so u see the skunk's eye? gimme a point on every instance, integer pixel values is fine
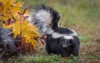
(62, 39)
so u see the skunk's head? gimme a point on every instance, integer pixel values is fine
(45, 18)
(66, 41)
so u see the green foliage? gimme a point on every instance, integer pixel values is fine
(36, 59)
(42, 59)
(83, 38)
(73, 59)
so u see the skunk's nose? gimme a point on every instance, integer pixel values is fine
(66, 45)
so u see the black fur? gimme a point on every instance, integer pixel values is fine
(55, 46)
(7, 40)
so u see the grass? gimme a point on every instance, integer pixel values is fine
(42, 59)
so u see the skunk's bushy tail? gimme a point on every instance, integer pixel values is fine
(44, 15)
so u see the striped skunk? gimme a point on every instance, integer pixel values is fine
(59, 40)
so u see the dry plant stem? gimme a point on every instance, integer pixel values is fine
(2, 54)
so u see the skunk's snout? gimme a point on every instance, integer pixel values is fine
(66, 45)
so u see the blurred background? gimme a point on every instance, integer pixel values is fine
(81, 15)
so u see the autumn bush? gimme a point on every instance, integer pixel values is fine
(13, 16)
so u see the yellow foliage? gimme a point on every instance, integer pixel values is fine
(25, 30)
(10, 9)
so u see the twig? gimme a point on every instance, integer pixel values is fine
(13, 18)
(24, 10)
(2, 54)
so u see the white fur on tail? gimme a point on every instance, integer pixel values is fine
(41, 18)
